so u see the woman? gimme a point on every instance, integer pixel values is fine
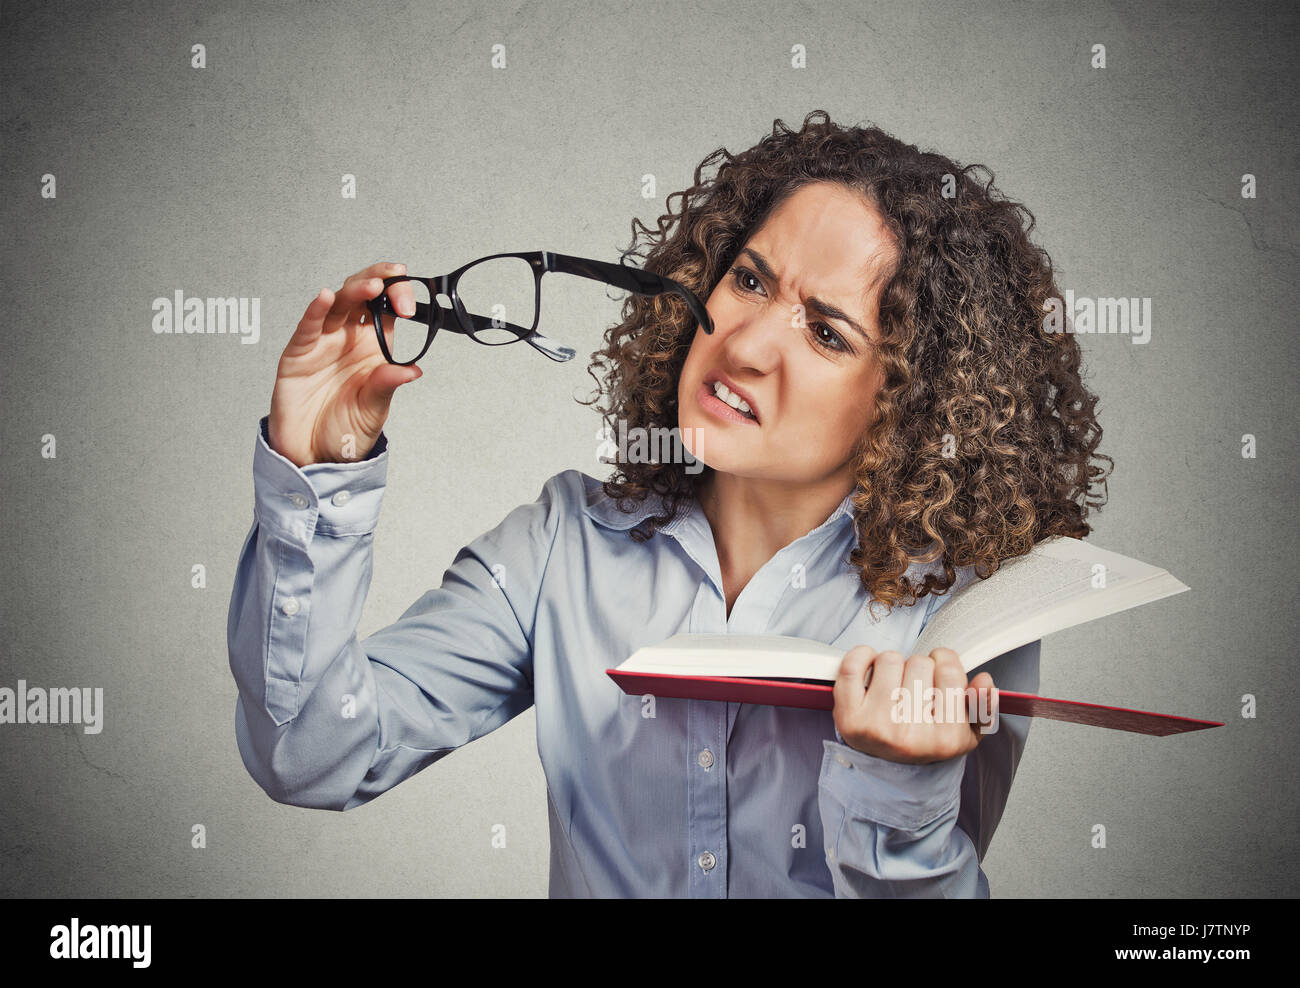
(880, 416)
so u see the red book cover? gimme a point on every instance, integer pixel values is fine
(817, 696)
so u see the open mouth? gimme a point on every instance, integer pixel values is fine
(717, 398)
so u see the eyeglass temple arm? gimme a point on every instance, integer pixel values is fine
(629, 279)
(439, 317)
(446, 320)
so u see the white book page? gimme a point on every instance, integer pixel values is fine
(738, 655)
(1049, 589)
(1101, 603)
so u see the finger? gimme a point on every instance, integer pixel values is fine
(380, 269)
(982, 681)
(918, 677)
(402, 295)
(849, 692)
(952, 714)
(313, 319)
(984, 697)
(350, 302)
(886, 677)
(377, 393)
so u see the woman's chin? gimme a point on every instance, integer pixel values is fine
(694, 448)
(721, 461)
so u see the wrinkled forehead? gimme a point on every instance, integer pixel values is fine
(828, 240)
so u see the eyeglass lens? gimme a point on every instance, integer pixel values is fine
(503, 291)
(408, 336)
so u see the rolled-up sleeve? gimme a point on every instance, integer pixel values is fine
(323, 720)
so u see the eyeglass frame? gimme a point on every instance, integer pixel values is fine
(622, 276)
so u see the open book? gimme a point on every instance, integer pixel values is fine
(1060, 583)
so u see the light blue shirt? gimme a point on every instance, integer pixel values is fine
(681, 798)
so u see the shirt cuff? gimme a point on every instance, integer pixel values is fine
(900, 795)
(330, 498)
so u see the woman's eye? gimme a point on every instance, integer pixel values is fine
(740, 274)
(831, 342)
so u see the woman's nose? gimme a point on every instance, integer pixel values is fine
(756, 340)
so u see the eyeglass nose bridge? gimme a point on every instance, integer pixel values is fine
(439, 313)
(434, 313)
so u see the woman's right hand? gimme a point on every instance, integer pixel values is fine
(333, 385)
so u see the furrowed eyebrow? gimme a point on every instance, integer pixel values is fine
(823, 308)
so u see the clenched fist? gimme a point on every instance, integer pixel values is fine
(877, 720)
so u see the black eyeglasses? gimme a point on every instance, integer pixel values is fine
(497, 300)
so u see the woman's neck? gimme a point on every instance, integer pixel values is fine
(752, 520)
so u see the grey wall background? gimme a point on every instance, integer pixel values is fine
(226, 181)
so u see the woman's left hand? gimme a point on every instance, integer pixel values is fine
(876, 722)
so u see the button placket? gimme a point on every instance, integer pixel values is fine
(707, 796)
(287, 632)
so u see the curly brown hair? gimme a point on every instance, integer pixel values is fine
(984, 437)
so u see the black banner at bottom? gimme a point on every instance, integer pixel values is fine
(141, 937)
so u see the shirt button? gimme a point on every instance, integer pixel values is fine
(843, 761)
(707, 860)
(298, 500)
(705, 759)
(290, 606)
(341, 498)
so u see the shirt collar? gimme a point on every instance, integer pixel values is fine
(604, 509)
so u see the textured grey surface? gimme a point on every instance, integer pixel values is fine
(225, 181)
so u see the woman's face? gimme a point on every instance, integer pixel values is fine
(811, 382)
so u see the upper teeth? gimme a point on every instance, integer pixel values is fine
(731, 398)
